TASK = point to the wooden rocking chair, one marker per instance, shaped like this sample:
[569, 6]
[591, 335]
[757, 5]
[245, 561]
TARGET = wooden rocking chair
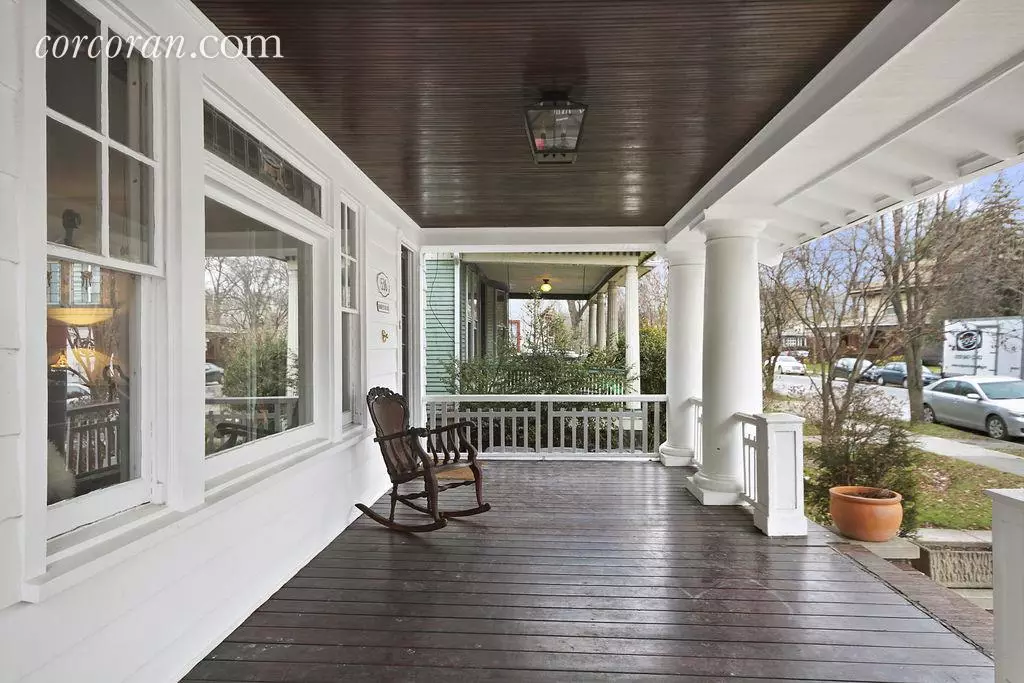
[407, 461]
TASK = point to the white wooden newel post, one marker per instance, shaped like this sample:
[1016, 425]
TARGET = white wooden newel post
[683, 353]
[732, 355]
[779, 504]
[1008, 582]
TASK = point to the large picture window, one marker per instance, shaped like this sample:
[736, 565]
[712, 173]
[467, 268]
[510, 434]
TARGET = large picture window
[258, 330]
[100, 224]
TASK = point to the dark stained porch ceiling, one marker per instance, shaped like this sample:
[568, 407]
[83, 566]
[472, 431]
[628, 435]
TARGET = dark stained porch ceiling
[426, 96]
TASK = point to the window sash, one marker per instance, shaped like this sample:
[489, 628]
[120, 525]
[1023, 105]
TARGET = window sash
[106, 25]
[349, 319]
[69, 514]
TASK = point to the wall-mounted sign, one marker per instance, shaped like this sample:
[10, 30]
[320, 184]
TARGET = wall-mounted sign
[383, 284]
[383, 307]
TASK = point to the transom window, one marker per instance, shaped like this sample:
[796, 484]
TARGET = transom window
[100, 225]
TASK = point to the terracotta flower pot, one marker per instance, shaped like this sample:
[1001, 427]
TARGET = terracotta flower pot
[862, 513]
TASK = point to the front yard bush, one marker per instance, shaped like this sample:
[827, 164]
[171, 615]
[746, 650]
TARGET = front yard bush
[872, 447]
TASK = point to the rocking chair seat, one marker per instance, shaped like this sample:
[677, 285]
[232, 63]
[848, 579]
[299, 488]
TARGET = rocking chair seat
[406, 460]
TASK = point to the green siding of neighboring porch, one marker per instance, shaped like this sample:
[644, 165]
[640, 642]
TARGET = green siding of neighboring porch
[439, 322]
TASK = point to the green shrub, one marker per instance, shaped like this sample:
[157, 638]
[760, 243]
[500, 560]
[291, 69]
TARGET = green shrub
[257, 365]
[871, 447]
[508, 372]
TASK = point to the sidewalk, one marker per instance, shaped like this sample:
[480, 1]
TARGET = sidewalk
[1003, 462]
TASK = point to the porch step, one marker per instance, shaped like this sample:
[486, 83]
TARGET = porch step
[896, 549]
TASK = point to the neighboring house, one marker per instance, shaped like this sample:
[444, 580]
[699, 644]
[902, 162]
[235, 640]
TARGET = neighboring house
[874, 303]
[466, 315]
[466, 297]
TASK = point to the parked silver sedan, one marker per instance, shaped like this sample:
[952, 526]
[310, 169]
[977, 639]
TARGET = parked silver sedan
[991, 404]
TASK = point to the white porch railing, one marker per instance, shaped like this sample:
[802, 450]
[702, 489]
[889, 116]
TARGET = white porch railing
[698, 431]
[542, 425]
[773, 472]
[1008, 586]
[749, 427]
[92, 438]
[772, 448]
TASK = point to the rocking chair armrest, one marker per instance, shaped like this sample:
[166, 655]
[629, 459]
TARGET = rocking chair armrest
[448, 428]
[415, 431]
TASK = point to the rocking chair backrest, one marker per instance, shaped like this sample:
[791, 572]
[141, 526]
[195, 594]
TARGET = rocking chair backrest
[390, 414]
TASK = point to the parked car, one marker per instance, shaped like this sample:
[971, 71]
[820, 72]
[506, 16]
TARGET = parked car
[77, 393]
[896, 373]
[844, 368]
[214, 374]
[991, 404]
[788, 365]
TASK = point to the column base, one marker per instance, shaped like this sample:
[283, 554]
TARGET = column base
[698, 485]
[674, 456]
[780, 522]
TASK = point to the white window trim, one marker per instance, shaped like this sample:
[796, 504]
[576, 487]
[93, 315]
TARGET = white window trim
[349, 420]
[76, 512]
[234, 188]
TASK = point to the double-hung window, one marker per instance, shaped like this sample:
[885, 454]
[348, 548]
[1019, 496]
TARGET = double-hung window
[101, 266]
[351, 379]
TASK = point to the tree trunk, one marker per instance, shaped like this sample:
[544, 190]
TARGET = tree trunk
[915, 383]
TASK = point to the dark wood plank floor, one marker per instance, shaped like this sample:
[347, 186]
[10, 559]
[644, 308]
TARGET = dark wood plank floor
[587, 572]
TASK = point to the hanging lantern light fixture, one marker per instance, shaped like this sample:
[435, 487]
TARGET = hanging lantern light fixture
[554, 126]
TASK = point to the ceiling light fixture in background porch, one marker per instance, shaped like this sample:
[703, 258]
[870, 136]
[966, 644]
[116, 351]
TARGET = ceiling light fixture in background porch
[545, 286]
[554, 126]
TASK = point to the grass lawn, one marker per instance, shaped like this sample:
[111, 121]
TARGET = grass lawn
[932, 429]
[952, 492]
[1009, 447]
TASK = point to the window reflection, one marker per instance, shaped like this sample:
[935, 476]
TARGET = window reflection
[90, 321]
[257, 330]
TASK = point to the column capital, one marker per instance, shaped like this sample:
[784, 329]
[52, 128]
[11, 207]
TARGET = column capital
[720, 228]
[690, 256]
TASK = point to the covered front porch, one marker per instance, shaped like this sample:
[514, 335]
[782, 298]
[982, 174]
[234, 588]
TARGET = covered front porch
[588, 571]
[270, 222]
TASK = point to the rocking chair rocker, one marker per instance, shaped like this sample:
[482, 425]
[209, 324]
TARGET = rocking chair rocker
[406, 461]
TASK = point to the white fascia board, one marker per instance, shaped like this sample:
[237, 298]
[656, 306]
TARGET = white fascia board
[544, 239]
[894, 28]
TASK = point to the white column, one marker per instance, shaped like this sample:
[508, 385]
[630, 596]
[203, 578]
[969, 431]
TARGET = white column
[592, 324]
[1008, 582]
[633, 329]
[683, 353]
[613, 315]
[602, 319]
[732, 355]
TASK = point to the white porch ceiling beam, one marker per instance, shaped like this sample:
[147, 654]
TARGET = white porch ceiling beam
[811, 208]
[877, 179]
[896, 26]
[575, 258]
[979, 134]
[916, 158]
[848, 199]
